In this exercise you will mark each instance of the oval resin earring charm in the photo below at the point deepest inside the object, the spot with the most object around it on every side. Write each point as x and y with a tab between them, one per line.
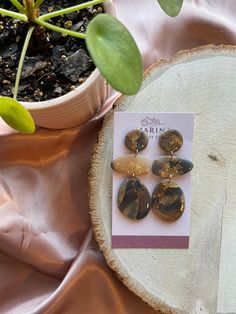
171	141
132	165
136	140
171	165
133	198
168	201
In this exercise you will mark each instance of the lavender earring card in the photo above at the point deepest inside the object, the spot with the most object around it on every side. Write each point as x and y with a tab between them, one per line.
151	231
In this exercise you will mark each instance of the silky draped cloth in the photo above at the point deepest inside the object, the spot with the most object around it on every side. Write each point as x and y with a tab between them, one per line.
49	261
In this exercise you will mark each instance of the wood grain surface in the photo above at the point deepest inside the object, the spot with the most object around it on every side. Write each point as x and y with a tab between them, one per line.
201	279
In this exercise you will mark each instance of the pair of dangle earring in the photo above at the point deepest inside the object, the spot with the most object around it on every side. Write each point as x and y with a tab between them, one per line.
167	201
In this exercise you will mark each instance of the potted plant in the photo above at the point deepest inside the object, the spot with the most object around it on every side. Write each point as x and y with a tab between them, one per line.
111	47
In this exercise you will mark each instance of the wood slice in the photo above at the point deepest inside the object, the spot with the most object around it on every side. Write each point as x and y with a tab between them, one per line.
202	278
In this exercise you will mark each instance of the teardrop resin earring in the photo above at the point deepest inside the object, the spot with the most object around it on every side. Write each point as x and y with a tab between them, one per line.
168	201
133	196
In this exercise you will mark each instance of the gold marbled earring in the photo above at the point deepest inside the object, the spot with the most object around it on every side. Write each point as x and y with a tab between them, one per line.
168	201
133	196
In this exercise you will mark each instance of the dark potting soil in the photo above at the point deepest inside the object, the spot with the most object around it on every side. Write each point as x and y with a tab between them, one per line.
55	64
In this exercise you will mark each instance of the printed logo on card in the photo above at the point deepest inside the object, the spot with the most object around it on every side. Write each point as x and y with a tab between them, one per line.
152	125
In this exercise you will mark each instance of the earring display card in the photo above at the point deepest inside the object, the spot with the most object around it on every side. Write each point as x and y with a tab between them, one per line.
151	231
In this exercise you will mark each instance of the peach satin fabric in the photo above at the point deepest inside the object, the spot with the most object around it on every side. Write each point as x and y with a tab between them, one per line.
49	262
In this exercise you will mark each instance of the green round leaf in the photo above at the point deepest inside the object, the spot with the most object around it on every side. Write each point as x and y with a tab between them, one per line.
115	53
171	7
15	115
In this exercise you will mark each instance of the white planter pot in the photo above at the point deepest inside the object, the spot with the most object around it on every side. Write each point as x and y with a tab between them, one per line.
75	107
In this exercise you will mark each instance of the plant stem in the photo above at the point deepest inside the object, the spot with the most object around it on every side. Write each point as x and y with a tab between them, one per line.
30	11
15	15
59	29
38	3
69	10
22	57
18	5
